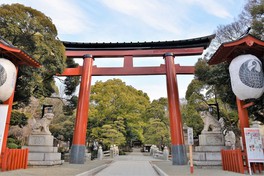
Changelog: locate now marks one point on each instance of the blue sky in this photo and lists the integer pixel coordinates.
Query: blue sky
(138, 20)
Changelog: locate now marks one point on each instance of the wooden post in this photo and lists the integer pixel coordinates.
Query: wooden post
(190, 143)
(191, 158)
(179, 156)
(79, 137)
(8, 102)
(243, 120)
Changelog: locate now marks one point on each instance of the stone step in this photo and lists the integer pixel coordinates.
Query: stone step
(210, 148)
(45, 163)
(207, 156)
(44, 156)
(41, 149)
(207, 163)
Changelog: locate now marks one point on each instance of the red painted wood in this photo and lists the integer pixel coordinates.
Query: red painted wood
(14, 159)
(128, 70)
(72, 71)
(128, 61)
(135, 53)
(173, 101)
(8, 102)
(81, 120)
(232, 160)
(105, 71)
(18, 56)
(243, 119)
(249, 40)
(248, 105)
(245, 45)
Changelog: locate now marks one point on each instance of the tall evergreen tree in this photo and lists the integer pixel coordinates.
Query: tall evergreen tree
(33, 32)
(116, 108)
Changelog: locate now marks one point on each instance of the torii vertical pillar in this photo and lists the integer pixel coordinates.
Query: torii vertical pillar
(77, 155)
(179, 156)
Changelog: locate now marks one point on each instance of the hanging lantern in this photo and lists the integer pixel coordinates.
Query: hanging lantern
(247, 78)
(7, 78)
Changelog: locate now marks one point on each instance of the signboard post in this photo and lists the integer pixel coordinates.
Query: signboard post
(3, 116)
(190, 143)
(254, 146)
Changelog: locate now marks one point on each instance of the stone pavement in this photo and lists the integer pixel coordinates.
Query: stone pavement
(135, 164)
(59, 170)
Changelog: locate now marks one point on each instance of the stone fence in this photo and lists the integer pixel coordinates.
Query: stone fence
(113, 152)
(156, 153)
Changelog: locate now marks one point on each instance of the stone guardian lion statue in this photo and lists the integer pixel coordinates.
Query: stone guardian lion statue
(210, 122)
(42, 126)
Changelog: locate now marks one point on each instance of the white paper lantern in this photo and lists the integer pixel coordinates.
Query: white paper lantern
(247, 78)
(7, 78)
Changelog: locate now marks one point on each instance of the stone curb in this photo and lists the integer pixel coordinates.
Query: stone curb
(93, 171)
(157, 169)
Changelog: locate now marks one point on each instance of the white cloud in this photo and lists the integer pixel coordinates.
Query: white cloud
(68, 17)
(213, 7)
(135, 20)
(170, 17)
(153, 13)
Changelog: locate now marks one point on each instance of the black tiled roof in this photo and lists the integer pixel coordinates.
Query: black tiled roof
(188, 43)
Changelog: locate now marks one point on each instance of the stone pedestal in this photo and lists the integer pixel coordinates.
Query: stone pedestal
(208, 153)
(41, 151)
(211, 139)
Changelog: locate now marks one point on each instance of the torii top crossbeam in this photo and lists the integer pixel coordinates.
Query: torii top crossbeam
(187, 47)
(138, 49)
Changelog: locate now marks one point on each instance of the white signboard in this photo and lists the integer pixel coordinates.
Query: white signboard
(254, 145)
(3, 116)
(190, 136)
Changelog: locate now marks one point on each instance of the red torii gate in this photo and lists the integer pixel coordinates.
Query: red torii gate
(168, 50)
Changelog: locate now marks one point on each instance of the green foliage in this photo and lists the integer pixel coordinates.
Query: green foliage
(211, 85)
(191, 117)
(111, 135)
(18, 118)
(63, 128)
(250, 18)
(157, 109)
(71, 105)
(217, 77)
(13, 143)
(117, 108)
(256, 10)
(156, 132)
(71, 82)
(33, 32)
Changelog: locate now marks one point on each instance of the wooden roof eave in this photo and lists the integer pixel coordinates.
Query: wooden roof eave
(246, 45)
(20, 56)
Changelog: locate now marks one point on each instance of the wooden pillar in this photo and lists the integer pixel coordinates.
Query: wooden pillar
(77, 155)
(179, 156)
(8, 102)
(243, 120)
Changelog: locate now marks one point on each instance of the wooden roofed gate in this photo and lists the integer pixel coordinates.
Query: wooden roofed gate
(227, 52)
(167, 50)
(12, 159)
